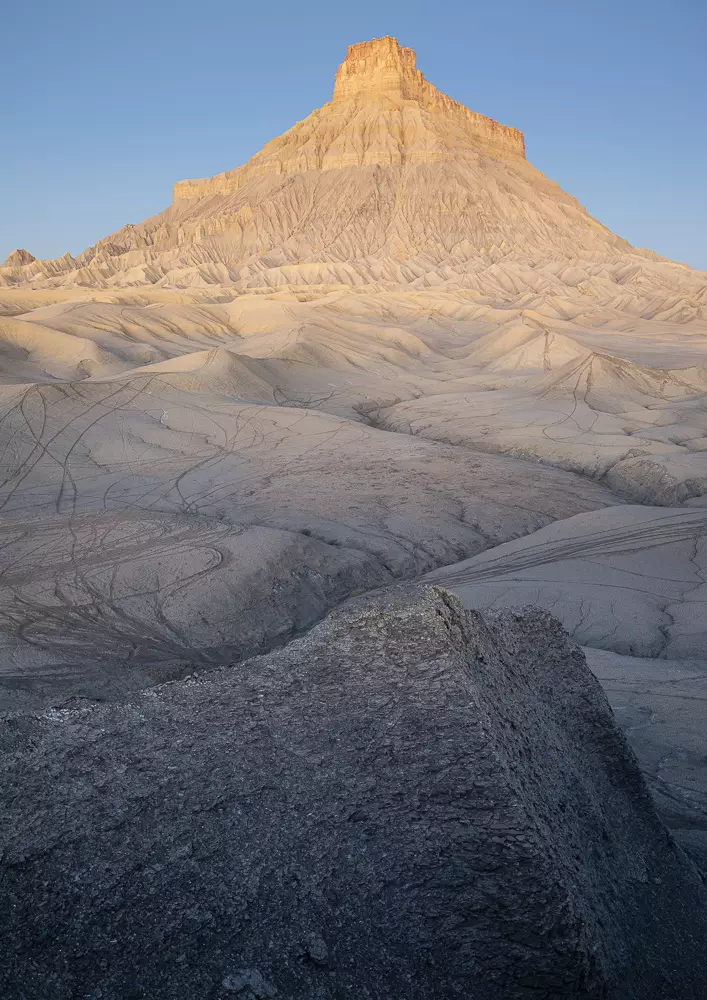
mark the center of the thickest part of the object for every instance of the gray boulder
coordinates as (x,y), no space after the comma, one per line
(411,802)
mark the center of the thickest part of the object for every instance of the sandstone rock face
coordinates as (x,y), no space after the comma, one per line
(390,184)
(411,801)
(382,68)
(383,113)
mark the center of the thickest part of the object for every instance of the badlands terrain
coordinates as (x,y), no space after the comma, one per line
(385,349)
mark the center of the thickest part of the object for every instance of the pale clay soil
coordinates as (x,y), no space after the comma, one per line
(385,348)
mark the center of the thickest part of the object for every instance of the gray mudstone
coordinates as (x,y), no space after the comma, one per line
(411,802)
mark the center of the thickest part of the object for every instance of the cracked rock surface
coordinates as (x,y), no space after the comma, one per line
(409,799)
(628,583)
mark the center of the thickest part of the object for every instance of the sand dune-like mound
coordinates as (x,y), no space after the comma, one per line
(219,371)
(601,375)
(30,352)
(642,430)
(520,344)
(144,525)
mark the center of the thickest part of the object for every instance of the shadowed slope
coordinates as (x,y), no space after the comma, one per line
(407,801)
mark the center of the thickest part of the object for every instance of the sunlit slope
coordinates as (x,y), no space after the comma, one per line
(390,184)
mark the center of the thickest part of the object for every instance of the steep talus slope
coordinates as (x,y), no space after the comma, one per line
(374,810)
(479,224)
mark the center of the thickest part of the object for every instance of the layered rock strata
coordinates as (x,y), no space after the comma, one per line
(391,183)
(416,124)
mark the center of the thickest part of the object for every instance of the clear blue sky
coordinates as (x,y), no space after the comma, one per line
(106,104)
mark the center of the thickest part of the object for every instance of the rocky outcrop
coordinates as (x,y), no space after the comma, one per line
(411,801)
(383,113)
(393,185)
(382,67)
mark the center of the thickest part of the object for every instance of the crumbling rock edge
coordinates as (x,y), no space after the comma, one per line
(409,801)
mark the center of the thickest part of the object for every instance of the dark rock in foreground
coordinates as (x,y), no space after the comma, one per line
(410,802)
